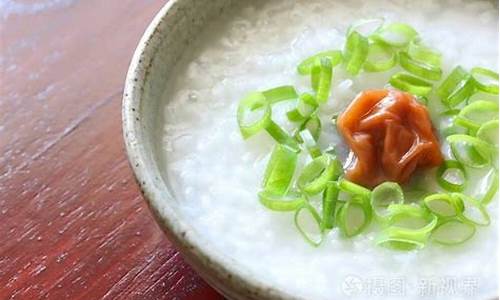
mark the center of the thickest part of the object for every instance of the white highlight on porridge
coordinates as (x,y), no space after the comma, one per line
(215,174)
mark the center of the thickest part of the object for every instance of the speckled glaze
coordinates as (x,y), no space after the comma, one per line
(167,36)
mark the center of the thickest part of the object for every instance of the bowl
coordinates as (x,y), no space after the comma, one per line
(163,42)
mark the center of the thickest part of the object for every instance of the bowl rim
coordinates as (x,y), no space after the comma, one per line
(177,230)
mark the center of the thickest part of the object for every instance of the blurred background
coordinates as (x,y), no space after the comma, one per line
(73,224)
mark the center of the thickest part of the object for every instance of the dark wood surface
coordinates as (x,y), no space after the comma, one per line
(72,222)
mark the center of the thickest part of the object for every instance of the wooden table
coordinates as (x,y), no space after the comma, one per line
(72,222)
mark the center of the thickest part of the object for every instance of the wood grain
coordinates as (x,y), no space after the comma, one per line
(72,221)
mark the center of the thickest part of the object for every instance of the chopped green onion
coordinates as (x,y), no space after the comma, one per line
(453,232)
(492,187)
(280,170)
(469,150)
(277,202)
(408,227)
(444,205)
(380,58)
(254,114)
(315,74)
(456,88)
(447,126)
(395,34)
(354,189)
(411,84)
(488,132)
(305,67)
(475,114)
(474,211)
(318,173)
(310,143)
(353,217)
(355,52)
(485,80)
(366,27)
(313,124)
(306,105)
(420,52)
(281,136)
(455,170)
(324,81)
(385,194)
(280,93)
(308,222)
(419,68)
(330,196)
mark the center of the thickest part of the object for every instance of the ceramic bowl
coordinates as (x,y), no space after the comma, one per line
(166,38)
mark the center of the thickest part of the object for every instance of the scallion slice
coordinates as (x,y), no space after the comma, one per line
(444,205)
(324,80)
(418,51)
(280,170)
(306,105)
(451,176)
(354,189)
(419,68)
(453,232)
(485,80)
(308,222)
(474,211)
(281,136)
(475,114)
(380,58)
(492,187)
(313,124)
(310,144)
(385,194)
(288,202)
(366,27)
(330,196)
(411,84)
(318,173)
(334,56)
(254,114)
(488,132)
(355,52)
(281,93)
(469,150)
(447,126)
(395,34)
(456,88)
(353,217)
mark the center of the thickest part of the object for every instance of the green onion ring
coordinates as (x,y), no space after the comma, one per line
(444,205)
(288,202)
(313,124)
(453,232)
(418,51)
(479,108)
(330,196)
(307,208)
(472,204)
(444,183)
(479,75)
(373,61)
(456,88)
(324,81)
(277,94)
(492,189)
(395,34)
(367,32)
(305,67)
(355,52)
(280,170)
(310,144)
(354,189)
(419,68)
(478,152)
(345,218)
(306,105)
(281,136)
(488,132)
(318,173)
(411,84)
(250,103)
(385,194)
